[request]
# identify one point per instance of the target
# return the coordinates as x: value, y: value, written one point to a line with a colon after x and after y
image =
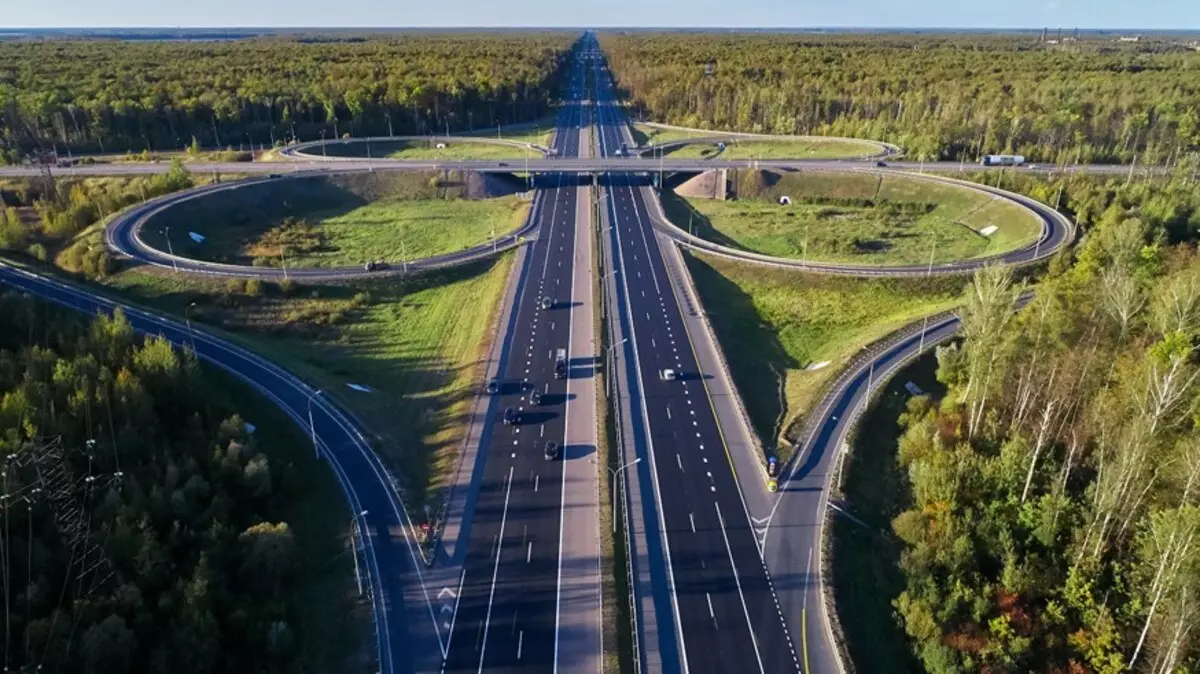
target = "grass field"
x: 418, y: 149
x: 319, y: 222
x: 644, y: 134
x: 825, y: 148
x: 866, y: 576
x: 417, y: 343
x: 773, y: 324
x: 856, y: 217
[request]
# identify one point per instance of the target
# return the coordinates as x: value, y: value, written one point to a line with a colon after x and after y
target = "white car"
x: 668, y: 375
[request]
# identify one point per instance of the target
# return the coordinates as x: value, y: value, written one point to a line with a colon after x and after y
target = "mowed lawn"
x: 455, y: 149
x: 397, y: 230
x: 868, y: 220
x: 418, y: 344
x: 340, y: 221
x: 775, y: 325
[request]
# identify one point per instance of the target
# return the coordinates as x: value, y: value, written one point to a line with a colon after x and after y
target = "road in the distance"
x: 508, y: 606
x: 722, y: 601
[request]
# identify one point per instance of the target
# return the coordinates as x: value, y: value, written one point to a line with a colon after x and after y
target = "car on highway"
x: 551, y: 450
x: 511, y: 416
x: 274, y: 175
x: 535, y: 397
x: 502, y: 164
x: 668, y: 375
x: 375, y: 266
x: 547, y: 302
x: 881, y: 164
x: 492, y: 387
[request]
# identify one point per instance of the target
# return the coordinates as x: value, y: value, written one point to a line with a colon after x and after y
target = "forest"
x: 1053, y: 515
x: 937, y: 96
x: 145, y: 528
x: 114, y: 96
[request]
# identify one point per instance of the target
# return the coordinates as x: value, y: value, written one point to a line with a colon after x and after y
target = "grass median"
x: 417, y: 344
x: 787, y: 334
x: 858, y: 218
x: 455, y: 148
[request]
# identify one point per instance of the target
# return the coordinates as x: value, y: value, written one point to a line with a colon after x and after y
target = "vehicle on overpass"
x: 560, y: 364
x: 1003, y: 160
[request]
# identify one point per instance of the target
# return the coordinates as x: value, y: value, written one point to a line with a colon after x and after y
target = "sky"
x: 1118, y: 14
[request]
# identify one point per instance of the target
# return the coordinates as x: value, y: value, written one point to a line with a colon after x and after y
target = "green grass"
x: 857, y: 218
x: 319, y: 222
x: 644, y: 134
x: 772, y: 324
x: 825, y: 148
x: 536, y: 132
x: 866, y: 575
x: 419, y: 149
x: 418, y: 343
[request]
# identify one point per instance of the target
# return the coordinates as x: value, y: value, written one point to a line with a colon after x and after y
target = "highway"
x: 389, y: 553
x: 721, y: 599
x: 509, y: 602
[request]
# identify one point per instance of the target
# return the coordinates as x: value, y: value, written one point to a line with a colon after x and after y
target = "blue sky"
x: 1176, y: 14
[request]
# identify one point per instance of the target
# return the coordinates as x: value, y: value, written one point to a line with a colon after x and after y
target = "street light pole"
x: 170, y: 248
x: 608, y: 351
x: 616, y: 474
x: 354, y: 548
x: 188, y: 319
x: 312, y: 428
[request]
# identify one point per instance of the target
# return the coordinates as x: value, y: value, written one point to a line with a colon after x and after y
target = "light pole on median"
x: 616, y: 474
x: 354, y: 547
x: 609, y: 350
x: 311, y: 426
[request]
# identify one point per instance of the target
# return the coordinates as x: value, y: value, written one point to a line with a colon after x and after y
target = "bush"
x: 287, y: 286
x: 37, y: 251
x: 253, y: 287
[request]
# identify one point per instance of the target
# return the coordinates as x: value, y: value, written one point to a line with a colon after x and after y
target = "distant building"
x: 1130, y: 38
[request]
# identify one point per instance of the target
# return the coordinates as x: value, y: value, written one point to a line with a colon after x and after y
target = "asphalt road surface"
x: 506, y: 620
x: 722, y: 601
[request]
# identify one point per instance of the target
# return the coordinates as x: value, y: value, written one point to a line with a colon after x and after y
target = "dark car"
x: 510, y: 416
x: 493, y: 387
x: 274, y: 175
x: 502, y: 164
x: 535, y: 397
x: 881, y: 163
x: 551, y: 451
x: 547, y: 302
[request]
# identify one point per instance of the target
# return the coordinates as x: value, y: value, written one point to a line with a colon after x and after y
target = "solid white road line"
x: 738, y: 582
x: 495, y: 570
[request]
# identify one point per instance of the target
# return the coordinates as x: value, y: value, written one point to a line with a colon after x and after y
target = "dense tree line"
x: 42, y: 218
x: 1054, y: 512
x: 100, y: 95
x: 944, y: 97
x: 197, y: 567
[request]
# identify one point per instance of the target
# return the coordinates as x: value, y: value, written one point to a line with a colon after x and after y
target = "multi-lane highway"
x: 722, y: 611
x: 729, y: 593
x: 510, y: 604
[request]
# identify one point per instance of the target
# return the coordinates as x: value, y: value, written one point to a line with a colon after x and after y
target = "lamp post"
x: 187, y: 318
x: 312, y: 428
x: 170, y: 248
x: 616, y: 474
x: 354, y: 547
x: 609, y: 350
